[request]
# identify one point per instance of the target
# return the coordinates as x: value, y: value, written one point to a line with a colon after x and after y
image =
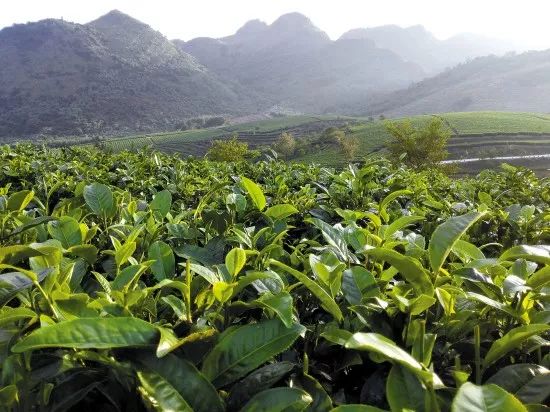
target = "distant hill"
x: 114, y: 74
x: 418, y: 45
x: 510, y: 83
x: 295, y: 65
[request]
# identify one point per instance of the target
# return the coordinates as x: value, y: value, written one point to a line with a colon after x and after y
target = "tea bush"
x: 140, y: 281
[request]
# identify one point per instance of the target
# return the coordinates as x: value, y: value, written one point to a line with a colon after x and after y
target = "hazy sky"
x: 524, y: 21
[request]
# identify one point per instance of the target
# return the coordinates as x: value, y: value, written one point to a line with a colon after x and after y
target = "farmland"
x: 476, y: 134
x: 142, y: 281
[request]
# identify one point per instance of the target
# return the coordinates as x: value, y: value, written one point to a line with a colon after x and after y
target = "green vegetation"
x: 231, y: 150
x: 498, y: 122
x: 285, y: 145
x: 140, y: 281
x: 475, y: 134
x: 419, y: 148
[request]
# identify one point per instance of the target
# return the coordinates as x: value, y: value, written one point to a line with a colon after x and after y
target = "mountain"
x: 295, y: 65
x: 116, y: 75
x: 418, y: 45
x: 508, y: 83
x: 112, y: 75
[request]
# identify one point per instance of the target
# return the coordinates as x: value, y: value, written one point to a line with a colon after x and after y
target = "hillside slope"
x: 474, y: 135
x: 114, y: 74
x: 418, y: 45
x: 510, y: 83
x: 295, y: 65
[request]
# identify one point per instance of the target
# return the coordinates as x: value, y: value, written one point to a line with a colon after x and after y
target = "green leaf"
x: 281, y: 304
x: 11, y: 315
x: 529, y: 383
x: 166, y: 397
x: 66, y: 230
x: 235, y: 261
x: 486, y: 398
x: 16, y: 253
x: 540, y: 278
x: 124, y: 252
x: 204, y: 272
x: 421, y: 304
x: 445, y: 236
x: 223, y: 291
x: 357, y: 408
x: 164, y: 266
x: 73, y: 388
x: 211, y: 254
x: 374, y: 342
x: 467, y: 251
x: 278, y: 399
x: 13, y: 282
x: 98, y: 333
x: 8, y: 395
x: 390, y: 198
x: 401, y: 223
x: 31, y: 224
x: 404, y: 391
x: 128, y: 276
x: 511, y: 341
x: 327, y: 302
x: 244, y: 348
x: 259, y: 380
x: 99, y: 199
x: 255, y: 193
x: 20, y: 200
x: 410, y: 269
x: 358, y: 283
x: 177, y: 305
x: 278, y: 212
x: 539, y: 254
x: 337, y: 336
x: 185, y: 379
x: 161, y: 203
x: 86, y: 252
x: 321, y: 401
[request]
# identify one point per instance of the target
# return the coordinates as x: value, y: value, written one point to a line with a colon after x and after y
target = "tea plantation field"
x: 475, y: 135
x: 139, y: 281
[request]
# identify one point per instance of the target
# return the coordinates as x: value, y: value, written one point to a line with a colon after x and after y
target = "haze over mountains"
x: 116, y: 75
x: 295, y: 65
x: 510, y: 83
x: 416, y: 44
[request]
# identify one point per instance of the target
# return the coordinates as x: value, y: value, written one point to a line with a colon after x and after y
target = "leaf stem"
x: 188, y: 279
x: 477, y: 344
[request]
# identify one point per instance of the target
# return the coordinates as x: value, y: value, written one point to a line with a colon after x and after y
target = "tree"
x: 229, y: 150
x: 349, y: 146
x: 332, y: 135
x: 419, y: 148
x: 285, y: 145
x: 214, y: 121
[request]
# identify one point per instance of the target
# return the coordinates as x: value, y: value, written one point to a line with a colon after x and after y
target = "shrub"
x: 419, y: 148
x: 229, y: 150
x: 285, y: 145
x: 349, y: 146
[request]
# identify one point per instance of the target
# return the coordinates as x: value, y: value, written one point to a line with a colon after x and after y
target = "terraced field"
x: 475, y: 135
x: 257, y: 134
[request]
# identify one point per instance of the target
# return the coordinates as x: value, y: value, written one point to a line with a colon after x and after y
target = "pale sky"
x: 525, y: 22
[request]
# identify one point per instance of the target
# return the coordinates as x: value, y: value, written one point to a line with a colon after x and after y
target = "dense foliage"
x: 230, y: 150
x: 419, y: 148
x: 140, y: 281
